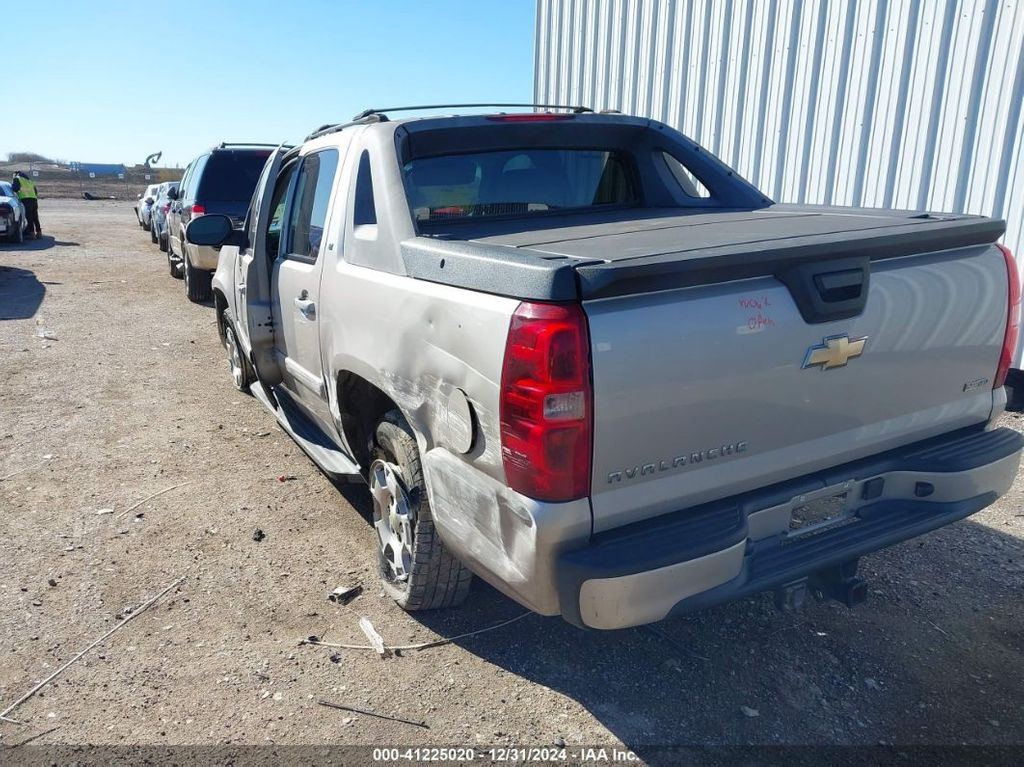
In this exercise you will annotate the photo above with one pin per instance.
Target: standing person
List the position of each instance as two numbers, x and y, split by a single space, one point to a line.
25 188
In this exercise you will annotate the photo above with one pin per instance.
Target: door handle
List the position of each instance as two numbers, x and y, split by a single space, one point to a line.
305 306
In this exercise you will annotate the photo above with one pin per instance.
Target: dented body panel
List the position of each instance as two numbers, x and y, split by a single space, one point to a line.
721 401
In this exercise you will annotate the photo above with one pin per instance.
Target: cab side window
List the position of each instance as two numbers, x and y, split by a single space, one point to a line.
183 184
195 175
308 214
249 224
276 225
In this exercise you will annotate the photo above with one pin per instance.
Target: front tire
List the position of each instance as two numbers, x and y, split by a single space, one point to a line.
174 268
152 230
18 235
198 284
242 373
416 569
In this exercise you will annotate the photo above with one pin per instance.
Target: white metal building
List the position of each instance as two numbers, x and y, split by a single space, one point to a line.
882 103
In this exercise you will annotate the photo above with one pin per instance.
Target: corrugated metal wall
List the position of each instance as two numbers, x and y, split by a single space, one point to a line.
883 103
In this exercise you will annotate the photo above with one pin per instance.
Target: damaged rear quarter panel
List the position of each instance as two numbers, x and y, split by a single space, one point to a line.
418 341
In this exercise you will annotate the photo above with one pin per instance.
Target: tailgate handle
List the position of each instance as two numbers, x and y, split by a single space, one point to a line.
840 286
825 291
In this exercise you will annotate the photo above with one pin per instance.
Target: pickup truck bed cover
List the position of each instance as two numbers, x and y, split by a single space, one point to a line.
579 257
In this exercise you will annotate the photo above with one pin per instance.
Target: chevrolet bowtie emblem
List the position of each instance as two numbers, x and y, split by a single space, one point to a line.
834 352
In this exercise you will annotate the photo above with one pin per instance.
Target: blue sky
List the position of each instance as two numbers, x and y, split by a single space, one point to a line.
113 81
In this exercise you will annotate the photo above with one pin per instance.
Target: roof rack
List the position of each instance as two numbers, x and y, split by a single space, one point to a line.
225 144
577 109
323 130
378 115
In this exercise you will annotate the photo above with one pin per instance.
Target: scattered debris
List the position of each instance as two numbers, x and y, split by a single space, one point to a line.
315 640
151 497
258 535
871 684
750 712
46 334
938 628
104 511
560 742
30 466
376 640
141 609
52 582
286 478
350 709
345 594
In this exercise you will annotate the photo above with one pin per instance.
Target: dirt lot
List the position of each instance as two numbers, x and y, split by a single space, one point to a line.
133 397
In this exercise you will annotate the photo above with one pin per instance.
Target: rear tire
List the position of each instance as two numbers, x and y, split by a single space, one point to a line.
429 576
162 243
198 284
152 230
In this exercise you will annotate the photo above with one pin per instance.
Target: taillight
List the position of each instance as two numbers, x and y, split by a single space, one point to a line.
1012 319
167 208
198 210
546 402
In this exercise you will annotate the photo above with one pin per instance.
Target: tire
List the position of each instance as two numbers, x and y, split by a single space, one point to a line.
433 578
18 235
152 230
198 284
173 268
162 243
242 373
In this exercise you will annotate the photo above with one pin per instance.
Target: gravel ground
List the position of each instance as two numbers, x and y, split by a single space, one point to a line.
132 396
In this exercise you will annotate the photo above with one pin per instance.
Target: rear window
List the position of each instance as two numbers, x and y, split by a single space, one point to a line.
517 182
231 176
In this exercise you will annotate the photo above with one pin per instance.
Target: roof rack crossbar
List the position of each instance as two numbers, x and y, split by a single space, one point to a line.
576 108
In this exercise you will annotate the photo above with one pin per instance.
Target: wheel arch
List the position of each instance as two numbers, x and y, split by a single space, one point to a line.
220 303
361 405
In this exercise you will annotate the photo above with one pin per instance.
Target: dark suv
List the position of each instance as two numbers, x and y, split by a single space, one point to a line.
220 180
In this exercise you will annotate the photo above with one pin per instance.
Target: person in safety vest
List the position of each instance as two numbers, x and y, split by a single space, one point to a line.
25 188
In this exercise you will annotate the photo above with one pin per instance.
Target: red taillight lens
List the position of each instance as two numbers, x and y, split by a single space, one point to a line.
1012 319
198 210
166 208
530 117
546 402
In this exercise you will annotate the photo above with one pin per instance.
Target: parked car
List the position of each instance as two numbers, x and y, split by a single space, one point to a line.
12 215
158 218
577 355
144 205
221 181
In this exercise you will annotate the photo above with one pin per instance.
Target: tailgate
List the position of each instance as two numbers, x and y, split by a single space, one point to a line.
706 391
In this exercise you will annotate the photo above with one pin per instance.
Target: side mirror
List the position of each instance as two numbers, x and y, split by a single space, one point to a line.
213 230
139 197
172 194
149 201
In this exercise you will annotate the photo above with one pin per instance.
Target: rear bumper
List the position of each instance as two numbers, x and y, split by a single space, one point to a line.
203 257
720 551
